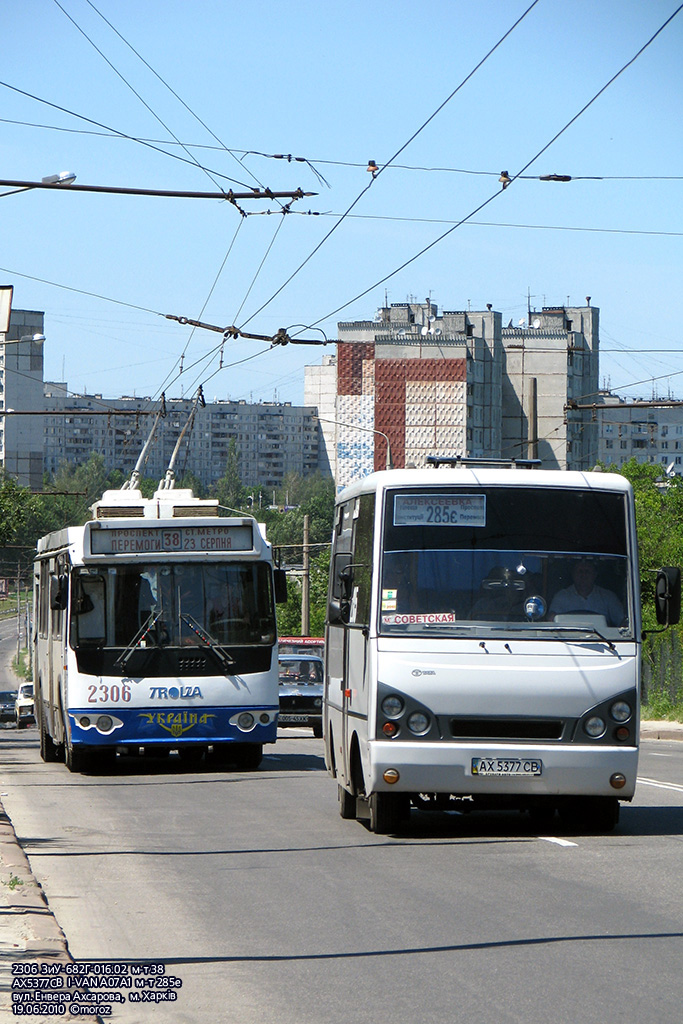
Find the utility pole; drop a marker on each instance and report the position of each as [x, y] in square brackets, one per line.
[532, 417]
[305, 585]
[18, 612]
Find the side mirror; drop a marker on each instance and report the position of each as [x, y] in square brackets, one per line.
[338, 612]
[280, 586]
[668, 596]
[57, 593]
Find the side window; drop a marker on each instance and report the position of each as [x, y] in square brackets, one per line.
[362, 559]
[44, 598]
[341, 551]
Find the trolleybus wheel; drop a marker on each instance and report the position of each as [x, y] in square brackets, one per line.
[247, 756]
[48, 750]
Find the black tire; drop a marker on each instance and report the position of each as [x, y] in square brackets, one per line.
[387, 812]
[247, 756]
[318, 730]
[48, 749]
[347, 804]
[77, 759]
[590, 814]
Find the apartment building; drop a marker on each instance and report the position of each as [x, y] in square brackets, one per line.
[21, 391]
[639, 429]
[271, 439]
[415, 382]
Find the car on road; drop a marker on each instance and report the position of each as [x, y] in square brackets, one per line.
[24, 708]
[7, 705]
[301, 692]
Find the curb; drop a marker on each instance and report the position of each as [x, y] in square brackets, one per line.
[29, 930]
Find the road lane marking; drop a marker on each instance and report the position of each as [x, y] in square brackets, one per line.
[558, 842]
[660, 785]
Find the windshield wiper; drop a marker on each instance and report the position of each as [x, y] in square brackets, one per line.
[226, 661]
[585, 627]
[141, 635]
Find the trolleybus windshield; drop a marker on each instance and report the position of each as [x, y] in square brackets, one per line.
[535, 561]
[169, 605]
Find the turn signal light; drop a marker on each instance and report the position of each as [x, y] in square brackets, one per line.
[622, 733]
[617, 781]
[390, 728]
[391, 776]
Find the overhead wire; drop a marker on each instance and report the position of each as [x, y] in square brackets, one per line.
[313, 161]
[376, 175]
[122, 135]
[132, 89]
[514, 177]
[193, 113]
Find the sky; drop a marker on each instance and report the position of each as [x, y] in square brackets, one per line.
[443, 95]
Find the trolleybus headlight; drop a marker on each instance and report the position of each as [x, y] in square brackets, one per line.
[104, 723]
[264, 718]
[245, 721]
[392, 706]
[595, 726]
[620, 711]
[84, 722]
[418, 722]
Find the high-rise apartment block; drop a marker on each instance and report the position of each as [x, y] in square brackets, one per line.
[21, 390]
[456, 383]
[271, 439]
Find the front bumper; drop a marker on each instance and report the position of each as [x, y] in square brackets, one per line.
[568, 770]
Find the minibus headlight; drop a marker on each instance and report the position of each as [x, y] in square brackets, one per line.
[620, 711]
[418, 722]
[595, 726]
[392, 706]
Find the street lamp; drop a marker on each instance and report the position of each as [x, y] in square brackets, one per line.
[63, 178]
[367, 430]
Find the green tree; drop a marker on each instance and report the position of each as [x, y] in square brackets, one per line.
[229, 488]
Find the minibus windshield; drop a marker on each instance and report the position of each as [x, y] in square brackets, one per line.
[545, 562]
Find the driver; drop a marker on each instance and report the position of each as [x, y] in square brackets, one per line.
[585, 596]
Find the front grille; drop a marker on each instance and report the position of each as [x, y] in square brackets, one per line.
[506, 728]
[298, 704]
[193, 666]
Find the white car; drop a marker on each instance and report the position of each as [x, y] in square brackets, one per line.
[24, 710]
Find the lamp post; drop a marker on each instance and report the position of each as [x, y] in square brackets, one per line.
[367, 430]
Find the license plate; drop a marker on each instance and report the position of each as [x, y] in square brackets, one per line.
[294, 718]
[506, 766]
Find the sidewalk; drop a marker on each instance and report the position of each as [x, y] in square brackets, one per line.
[28, 928]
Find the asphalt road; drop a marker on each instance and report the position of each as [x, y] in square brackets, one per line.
[269, 908]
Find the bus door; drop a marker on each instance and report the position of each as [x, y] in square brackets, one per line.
[349, 618]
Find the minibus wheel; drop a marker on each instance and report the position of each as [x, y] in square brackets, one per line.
[347, 804]
[387, 812]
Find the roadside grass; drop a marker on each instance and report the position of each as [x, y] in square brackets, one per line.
[22, 668]
[662, 705]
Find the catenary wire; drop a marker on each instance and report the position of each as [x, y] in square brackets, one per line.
[334, 163]
[490, 199]
[133, 90]
[388, 163]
